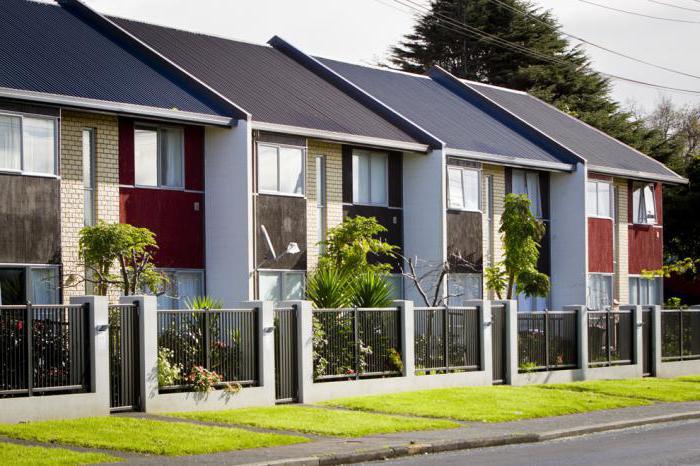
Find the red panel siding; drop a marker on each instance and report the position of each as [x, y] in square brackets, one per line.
[646, 248]
[194, 158]
[126, 151]
[171, 215]
[600, 245]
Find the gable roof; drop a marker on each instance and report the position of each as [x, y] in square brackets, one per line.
[603, 153]
[273, 87]
[51, 53]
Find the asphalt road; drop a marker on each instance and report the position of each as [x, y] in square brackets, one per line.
[675, 443]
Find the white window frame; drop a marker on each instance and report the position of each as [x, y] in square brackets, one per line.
[21, 170]
[159, 129]
[462, 169]
[355, 194]
[610, 199]
[277, 147]
[92, 189]
[321, 199]
[639, 279]
[635, 209]
[283, 273]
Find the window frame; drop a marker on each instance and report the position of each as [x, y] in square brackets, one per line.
[460, 278]
[283, 273]
[641, 186]
[277, 147]
[158, 129]
[56, 130]
[93, 175]
[320, 166]
[26, 271]
[370, 154]
[479, 189]
[611, 201]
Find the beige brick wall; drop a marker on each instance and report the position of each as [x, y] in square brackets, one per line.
[499, 194]
[621, 279]
[72, 196]
[334, 193]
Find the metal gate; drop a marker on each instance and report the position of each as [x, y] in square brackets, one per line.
[646, 342]
[286, 379]
[498, 342]
[124, 358]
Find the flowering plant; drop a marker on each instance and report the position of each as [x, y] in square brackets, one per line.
[203, 380]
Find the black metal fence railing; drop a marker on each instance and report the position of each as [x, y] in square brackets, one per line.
[610, 338]
[547, 340]
[124, 356]
[223, 340]
[680, 335]
[447, 339]
[44, 349]
[356, 343]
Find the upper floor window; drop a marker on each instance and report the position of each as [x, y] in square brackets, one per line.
[528, 183]
[599, 199]
[281, 169]
[463, 188]
[370, 177]
[159, 157]
[644, 204]
[28, 144]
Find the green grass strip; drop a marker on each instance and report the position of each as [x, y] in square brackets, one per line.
[644, 389]
[319, 421]
[488, 404]
[145, 435]
[22, 455]
[690, 378]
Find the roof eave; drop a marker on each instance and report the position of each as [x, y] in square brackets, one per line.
[637, 175]
[512, 161]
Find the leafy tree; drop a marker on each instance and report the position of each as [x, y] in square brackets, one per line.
[521, 233]
[106, 246]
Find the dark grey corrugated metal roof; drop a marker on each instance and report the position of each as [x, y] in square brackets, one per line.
[45, 48]
[599, 149]
[265, 82]
[461, 124]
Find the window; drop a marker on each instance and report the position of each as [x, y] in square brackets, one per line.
[45, 285]
[159, 158]
[463, 286]
[369, 177]
[599, 199]
[320, 200]
[532, 303]
[281, 286]
[396, 284]
[280, 169]
[489, 234]
[463, 189]
[599, 291]
[528, 183]
[644, 204]
[183, 286]
[40, 285]
[646, 291]
[28, 144]
[89, 177]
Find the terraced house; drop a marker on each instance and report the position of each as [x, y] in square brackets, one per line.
[241, 156]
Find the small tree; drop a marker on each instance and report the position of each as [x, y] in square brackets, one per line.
[104, 246]
[521, 233]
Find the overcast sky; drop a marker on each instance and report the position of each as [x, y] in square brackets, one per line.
[363, 30]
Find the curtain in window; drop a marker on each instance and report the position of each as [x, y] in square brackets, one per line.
[189, 286]
[634, 290]
[270, 286]
[291, 173]
[643, 204]
[10, 157]
[591, 199]
[456, 193]
[463, 286]
[599, 291]
[38, 145]
[360, 178]
[378, 178]
[146, 157]
[293, 286]
[528, 183]
[267, 168]
[45, 288]
[604, 199]
[171, 158]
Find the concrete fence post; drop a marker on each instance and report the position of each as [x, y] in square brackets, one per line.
[305, 349]
[408, 344]
[511, 349]
[656, 343]
[582, 337]
[148, 344]
[98, 345]
[637, 337]
[266, 345]
[485, 334]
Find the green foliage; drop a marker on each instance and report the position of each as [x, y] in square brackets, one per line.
[370, 289]
[329, 287]
[527, 367]
[203, 302]
[496, 279]
[169, 373]
[674, 303]
[106, 246]
[203, 380]
[395, 360]
[679, 267]
[24, 455]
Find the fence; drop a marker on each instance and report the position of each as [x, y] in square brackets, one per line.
[446, 339]
[356, 343]
[547, 340]
[222, 340]
[680, 335]
[610, 338]
[44, 350]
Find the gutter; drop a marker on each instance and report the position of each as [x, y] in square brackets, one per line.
[509, 160]
[116, 107]
[639, 175]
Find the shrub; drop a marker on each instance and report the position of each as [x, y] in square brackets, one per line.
[203, 380]
[370, 289]
[168, 373]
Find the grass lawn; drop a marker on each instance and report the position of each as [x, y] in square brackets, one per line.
[690, 378]
[645, 389]
[319, 421]
[21, 455]
[488, 404]
[145, 435]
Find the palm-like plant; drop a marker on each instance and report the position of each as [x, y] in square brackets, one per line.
[370, 289]
[329, 288]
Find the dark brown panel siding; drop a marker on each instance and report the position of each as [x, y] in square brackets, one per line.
[465, 239]
[23, 107]
[285, 221]
[347, 174]
[395, 179]
[391, 219]
[30, 219]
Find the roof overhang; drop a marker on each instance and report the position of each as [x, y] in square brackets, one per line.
[511, 161]
[637, 175]
[116, 107]
[341, 137]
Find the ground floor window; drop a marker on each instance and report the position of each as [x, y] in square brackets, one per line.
[463, 286]
[183, 285]
[646, 291]
[35, 284]
[532, 303]
[280, 285]
[600, 291]
[396, 284]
